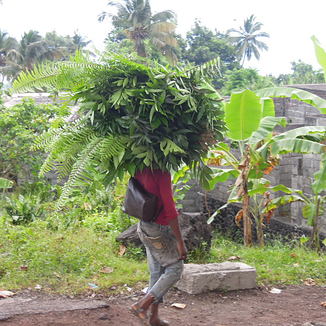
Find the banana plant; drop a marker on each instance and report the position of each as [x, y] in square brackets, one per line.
[314, 204]
[320, 54]
[251, 123]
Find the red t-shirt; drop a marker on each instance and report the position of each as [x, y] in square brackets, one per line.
[159, 183]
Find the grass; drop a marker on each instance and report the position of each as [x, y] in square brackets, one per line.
[64, 261]
[67, 260]
[277, 263]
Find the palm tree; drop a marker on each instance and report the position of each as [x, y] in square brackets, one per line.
[247, 37]
[135, 19]
[7, 44]
[31, 49]
[79, 41]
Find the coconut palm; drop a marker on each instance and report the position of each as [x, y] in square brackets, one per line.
[31, 49]
[7, 43]
[246, 39]
[135, 19]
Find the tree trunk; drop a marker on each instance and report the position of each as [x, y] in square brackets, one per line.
[247, 232]
[243, 191]
[260, 231]
[315, 228]
[140, 48]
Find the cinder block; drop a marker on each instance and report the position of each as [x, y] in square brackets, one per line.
[224, 276]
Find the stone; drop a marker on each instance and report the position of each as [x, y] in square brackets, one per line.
[19, 305]
[129, 237]
[224, 276]
[195, 231]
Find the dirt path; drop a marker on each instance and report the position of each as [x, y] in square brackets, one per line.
[294, 306]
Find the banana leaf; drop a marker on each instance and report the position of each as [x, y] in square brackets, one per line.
[243, 114]
[319, 183]
[222, 175]
[280, 201]
[267, 125]
[320, 54]
[295, 145]
[268, 107]
[303, 131]
[296, 94]
[288, 142]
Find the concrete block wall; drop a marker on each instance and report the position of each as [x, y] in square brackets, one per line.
[295, 170]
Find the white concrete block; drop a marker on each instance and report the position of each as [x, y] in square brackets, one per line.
[225, 276]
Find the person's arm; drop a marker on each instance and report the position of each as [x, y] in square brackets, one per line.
[174, 224]
[171, 213]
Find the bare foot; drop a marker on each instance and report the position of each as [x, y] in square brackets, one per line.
[139, 312]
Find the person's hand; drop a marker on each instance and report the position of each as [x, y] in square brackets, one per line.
[182, 250]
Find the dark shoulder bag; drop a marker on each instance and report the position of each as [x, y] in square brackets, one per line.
[140, 203]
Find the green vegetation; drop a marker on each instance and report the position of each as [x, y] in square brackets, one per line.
[20, 125]
[131, 116]
[246, 39]
[250, 122]
[135, 21]
[277, 263]
[138, 112]
[32, 48]
[37, 255]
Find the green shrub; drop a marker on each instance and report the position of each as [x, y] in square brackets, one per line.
[19, 125]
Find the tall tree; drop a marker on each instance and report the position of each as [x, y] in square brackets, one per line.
[79, 41]
[247, 38]
[33, 48]
[302, 73]
[135, 19]
[203, 45]
[7, 44]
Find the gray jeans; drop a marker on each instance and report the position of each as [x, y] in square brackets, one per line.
[162, 257]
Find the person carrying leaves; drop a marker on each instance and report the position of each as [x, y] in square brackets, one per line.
[164, 245]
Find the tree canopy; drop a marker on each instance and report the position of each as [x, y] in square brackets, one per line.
[247, 37]
[136, 21]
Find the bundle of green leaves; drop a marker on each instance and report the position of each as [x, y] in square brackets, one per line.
[131, 116]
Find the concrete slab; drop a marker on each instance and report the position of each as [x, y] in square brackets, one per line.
[224, 276]
[16, 305]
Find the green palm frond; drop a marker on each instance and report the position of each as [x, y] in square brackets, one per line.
[65, 75]
[209, 68]
[77, 174]
[111, 146]
[63, 147]
[127, 110]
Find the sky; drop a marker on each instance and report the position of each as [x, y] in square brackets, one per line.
[290, 23]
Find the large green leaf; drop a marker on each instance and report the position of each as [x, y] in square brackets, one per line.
[320, 54]
[260, 186]
[288, 142]
[222, 175]
[319, 183]
[243, 114]
[296, 145]
[267, 125]
[296, 94]
[309, 211]
[5, 184]
[268, 107]
[280, 201]
[302, 131]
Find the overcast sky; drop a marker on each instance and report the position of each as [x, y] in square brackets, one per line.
[290, 23]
